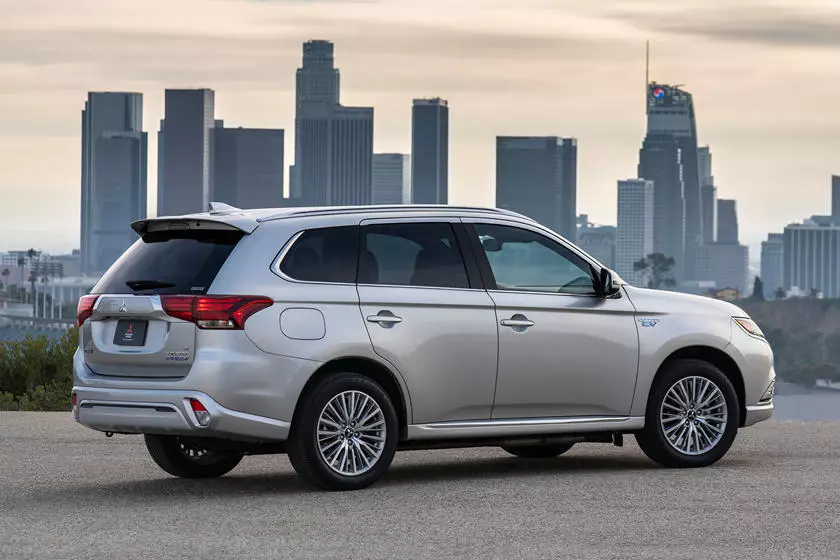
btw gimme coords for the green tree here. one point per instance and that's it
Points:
(657, 269)
(758, 289)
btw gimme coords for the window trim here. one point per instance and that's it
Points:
(453, 222)
(487, 271)
(277, 263)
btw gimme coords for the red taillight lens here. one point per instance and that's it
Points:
(215, 312)
(197, 406)
(85, 309)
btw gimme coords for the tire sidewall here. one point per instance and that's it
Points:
(653, 427)
(303, 442)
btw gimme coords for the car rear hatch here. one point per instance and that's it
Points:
(139, 320)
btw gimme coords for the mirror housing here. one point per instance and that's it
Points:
(605, 283)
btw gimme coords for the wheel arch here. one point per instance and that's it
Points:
(373, 369)
(718, 358)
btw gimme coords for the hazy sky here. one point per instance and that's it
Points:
(765, 77)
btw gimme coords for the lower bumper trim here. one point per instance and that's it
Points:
(133, 411)
(758, 413)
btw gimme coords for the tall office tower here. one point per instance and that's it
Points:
(708, 195)
(335, 155)
(659, 161)
(537, 176)
(634, 238)
(812, 257)
(248, 167)
(727, 213)
(333, 143)
(670, 112)
(114, 162)
(773, 263)
(185, 178)
(835, 199)
(318, 80)
(430, 151)
(391, 179)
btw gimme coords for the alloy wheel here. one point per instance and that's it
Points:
(351, 433)
(693, 415)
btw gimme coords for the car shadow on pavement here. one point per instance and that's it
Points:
(512, 467)
(287, 483)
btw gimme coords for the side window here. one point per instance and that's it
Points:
(412, 255)
(324, 255)
(522, 260)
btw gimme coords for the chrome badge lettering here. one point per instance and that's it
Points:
(177, 356)
(649, 322)
(123, 308)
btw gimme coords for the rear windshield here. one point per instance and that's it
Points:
(170, 262)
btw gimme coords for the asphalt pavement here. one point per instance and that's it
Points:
(69, 492)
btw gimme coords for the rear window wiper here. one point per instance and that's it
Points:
(140, 285)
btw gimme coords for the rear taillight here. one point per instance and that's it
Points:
(201, 413)
(215, 312)
(85, 309)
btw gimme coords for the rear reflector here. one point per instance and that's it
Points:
(201, 413)
(215, 312)
(85, 309)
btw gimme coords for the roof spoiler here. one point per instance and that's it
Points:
(220, 216)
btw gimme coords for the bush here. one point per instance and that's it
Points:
(37, 374)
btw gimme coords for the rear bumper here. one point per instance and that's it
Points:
(147, 411)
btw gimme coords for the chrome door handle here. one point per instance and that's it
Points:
(516, 323)
(384, 319)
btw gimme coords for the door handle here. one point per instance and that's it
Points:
(523, 323)
(384, 319)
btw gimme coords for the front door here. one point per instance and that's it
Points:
(563, 351)
(427, 318)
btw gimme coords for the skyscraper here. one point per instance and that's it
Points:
(184, 179)
(727, 213)
(635, 232)
(430, 151)
(659, 161)
(114, 162)
(333, 143)
(773, 263)
(835, 199)
(671, 114)
(248, 167)
(537, 176)
(812, 258)
(391, 179)
(598, 241)
(708, 195)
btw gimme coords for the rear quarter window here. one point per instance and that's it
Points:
(170, 262)
(324, 255)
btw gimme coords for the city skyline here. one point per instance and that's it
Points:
(543, 80)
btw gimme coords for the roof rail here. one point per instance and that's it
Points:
(324, 211)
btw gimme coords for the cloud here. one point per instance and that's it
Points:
(756, 22)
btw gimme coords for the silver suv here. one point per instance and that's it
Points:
(340, 335)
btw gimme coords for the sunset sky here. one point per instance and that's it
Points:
(765, 77)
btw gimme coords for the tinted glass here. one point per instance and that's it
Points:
(170, 262)
(324, 255)
(522, 260)
(412, 255)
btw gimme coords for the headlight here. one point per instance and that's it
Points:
(749, 327)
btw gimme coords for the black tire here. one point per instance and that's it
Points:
(653, 440)
(188, 461)
(538, 451)
(303, 445)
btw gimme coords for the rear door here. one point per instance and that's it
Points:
(128, 334)
(429, 317)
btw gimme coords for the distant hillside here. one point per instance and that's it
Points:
(804, 334)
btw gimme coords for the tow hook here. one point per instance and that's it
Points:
(109, 434)
(618, 439)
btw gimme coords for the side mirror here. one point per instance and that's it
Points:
(605, 283)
